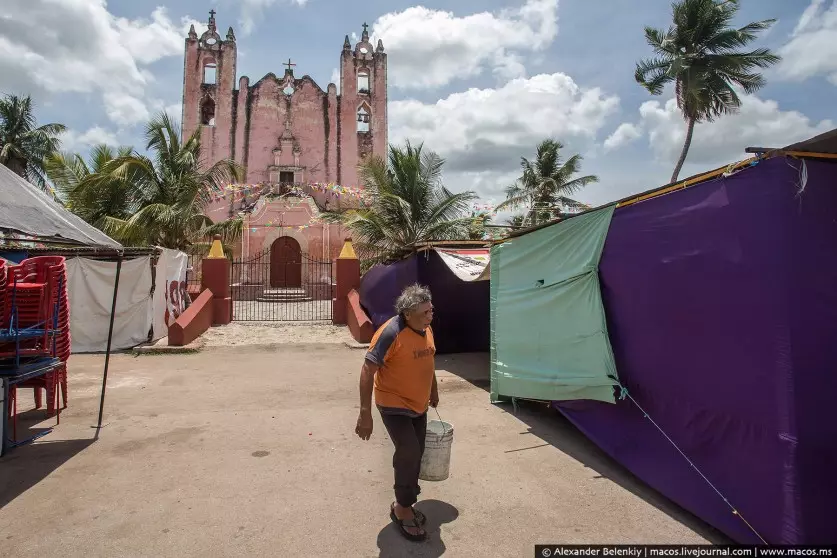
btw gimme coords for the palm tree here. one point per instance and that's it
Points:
(84, 188)
(407, 204)
(700, 53)
(164, 197)
(545, 183)
(515, 221)
(24, 145)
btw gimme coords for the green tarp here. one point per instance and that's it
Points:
(548, 332)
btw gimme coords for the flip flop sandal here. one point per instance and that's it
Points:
(420, 517)
(410, 523)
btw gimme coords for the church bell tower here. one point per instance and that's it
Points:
(208, 83)
(363, 104)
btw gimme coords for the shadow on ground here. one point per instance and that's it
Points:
(549, 425)
(25, 466)
(394, 545)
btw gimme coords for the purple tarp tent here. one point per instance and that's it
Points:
(721, 302)
(462, 311)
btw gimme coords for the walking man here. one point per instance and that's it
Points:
(400, 365)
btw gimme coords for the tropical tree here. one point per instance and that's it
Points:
(545, 184)
(24, 145)
(85, 188)
(156, 200)
(476, 229)
(701, 54)
(515, 221)
(406, 204)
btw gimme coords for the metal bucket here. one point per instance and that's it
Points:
(435, 462)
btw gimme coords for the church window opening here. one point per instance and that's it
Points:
(208, 112)
(363, 82)
(286, 177)
(363, 120)
(210, 71)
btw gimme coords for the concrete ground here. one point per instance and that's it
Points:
(252, 452)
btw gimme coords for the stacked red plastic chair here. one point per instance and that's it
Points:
(36, 298)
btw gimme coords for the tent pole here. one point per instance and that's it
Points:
(110, 338)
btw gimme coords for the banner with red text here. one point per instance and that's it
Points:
(169, 290)
(467, 264)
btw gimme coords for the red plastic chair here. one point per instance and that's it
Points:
(38, 293)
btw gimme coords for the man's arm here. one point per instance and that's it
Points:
(367, 381)
(434, 392)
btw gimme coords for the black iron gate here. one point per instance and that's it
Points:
(281, 284)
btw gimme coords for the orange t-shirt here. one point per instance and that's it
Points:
(406, 367)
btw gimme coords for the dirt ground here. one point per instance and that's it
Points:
(250, 451)
(268, 333)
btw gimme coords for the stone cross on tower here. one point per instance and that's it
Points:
(290, 65)
(212, 20)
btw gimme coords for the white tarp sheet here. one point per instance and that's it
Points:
(90, 289)
(27, 210)
(169, 290)
(467, 264)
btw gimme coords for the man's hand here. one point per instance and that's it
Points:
(434, 400)
(364, 425)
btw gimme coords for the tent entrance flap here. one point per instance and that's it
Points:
(549, 336)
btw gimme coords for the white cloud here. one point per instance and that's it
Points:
(812, 48)
(78, 46)
(484, 132)
(125, 110)
(73, 141)
(149, 41)
(187, 22)
(174, 110)
(252, 10)
(433, 47)
(626, 133)
(808, 16)
(760, 123)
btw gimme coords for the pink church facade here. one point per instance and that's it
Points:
(285, 131)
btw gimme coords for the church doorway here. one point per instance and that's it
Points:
(285, 263)
(286, 178)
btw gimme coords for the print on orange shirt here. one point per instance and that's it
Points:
(406, 366)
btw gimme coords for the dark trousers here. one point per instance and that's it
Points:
(407, 435)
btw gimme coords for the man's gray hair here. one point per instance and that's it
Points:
(411, 297)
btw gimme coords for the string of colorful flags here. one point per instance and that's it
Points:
(239, 191)
(483, 210)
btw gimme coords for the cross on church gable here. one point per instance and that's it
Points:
(289, 64)
(365, 25)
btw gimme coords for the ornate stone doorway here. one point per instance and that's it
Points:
(285, 263)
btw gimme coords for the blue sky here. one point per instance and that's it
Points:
(479, 82)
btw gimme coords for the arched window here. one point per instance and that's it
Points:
(208, 112)
(363, 119)
(363, 82)
(210, 73)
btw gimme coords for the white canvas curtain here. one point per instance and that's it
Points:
(90, 290)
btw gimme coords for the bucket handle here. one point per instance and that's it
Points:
(444, 430)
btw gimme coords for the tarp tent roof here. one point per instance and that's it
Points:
(823, 143)
(27, 210)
